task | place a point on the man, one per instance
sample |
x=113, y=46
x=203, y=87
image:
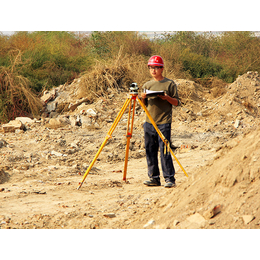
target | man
x=160, y=108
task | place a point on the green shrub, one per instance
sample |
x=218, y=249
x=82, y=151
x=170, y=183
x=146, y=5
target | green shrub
x=199, y=66
x=107, y=44
x=50, y=58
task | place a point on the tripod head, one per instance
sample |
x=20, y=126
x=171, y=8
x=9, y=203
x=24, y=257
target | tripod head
x=134, y=88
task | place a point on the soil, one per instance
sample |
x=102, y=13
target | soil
x=216, y=140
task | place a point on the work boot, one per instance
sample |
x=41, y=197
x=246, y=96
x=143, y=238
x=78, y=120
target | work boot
x=169, y=184
x=152, y=182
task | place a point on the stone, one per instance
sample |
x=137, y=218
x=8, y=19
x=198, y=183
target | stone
x=247, y=218
x=91, y=112
x=3, y=143
x=149, y=223
x=75, y=120
x=212, y=212
x=12, y=126
x=237, y=122
x=168, y=207
x=25, y=120
x=109, y=215
x=53, y=114
x=85, y=121
x=57, y=153
x=16, y=171
x=58, y=122
x=176, y=222
x=72, y=107
x=48, y=96
x=51, y=106
x=197, y=218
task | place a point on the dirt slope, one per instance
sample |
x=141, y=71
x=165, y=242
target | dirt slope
x=215, y=139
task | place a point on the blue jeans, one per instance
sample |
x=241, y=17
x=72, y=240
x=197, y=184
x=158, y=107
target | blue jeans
x=152, y=144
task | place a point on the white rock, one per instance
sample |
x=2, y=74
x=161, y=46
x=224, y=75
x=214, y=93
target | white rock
x=48, y=95
x=85, y=121
x=176, y=222
x=110, y=215
x=149, y=223
x=51, y=106
x=12, y=126
x=25, y=120
x=57, y=153
x=248, y=218
x=91, y=112
x=236, y=125
x=197, y=218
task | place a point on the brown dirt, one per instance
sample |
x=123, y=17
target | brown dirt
x=215, y=139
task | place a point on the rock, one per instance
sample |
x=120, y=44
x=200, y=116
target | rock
x=58, y=122
x=3, y=143
x=212, y=212
x=110, y=215
x=197, y=218
x=149, y=223
x=91, y=112
x=72, y=107
x=54, y=122
x=176, y=222
x=168, y=207
x=57, y=153
x=24, y=120
x=12, y=126
x=16, y=171
x=53, y=114
x=85, y=121
x=248, y=218
x=236, y=125
x=51, y=106
x=48, y=96
x=75, y=120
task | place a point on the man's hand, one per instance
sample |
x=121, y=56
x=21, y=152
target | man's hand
x=171, y=100
x=143, y=95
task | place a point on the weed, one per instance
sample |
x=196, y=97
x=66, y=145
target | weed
x=17, y=99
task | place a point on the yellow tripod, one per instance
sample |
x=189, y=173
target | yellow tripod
x=131, y=102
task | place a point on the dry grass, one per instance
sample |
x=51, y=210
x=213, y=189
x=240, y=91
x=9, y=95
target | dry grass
x=217, y=86
x=17, y=99
x=116, y=74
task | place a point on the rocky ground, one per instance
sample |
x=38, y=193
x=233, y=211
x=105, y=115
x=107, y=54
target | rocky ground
x=216, y=139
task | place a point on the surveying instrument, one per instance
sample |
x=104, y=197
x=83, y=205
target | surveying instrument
x=131, y=102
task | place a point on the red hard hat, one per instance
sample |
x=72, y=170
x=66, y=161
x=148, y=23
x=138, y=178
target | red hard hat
x=155, y=61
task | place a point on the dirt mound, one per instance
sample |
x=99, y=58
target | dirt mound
x=231, y=181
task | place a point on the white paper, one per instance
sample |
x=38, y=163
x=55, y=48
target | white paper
x=153, y=93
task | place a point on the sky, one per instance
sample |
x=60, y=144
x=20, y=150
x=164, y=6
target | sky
x=130, y=16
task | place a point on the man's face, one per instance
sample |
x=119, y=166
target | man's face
x=155, y=71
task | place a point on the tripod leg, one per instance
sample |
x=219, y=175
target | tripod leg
x=129, y=135
x=160, y=134
x=120, y=114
